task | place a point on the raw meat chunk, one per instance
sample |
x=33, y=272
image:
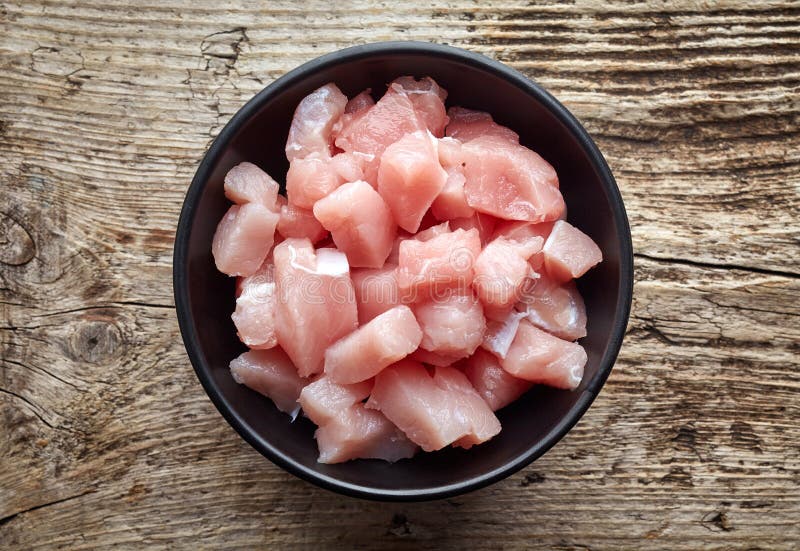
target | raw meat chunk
x=323, y=399
x=501, y=270
x=500, y=333
x=521, y=231
x=246, y=183
x=271, y=373
x=383, y=124
x=540, y=357
x=243, y=239
x=358, y=432
x=432, y=358
x=376, y=291
x=556, y=308
x=451, y=326
x=360, y=223
x=431, y=268
x=432, y=411
x=484, y=223
x=384, y=340
x=316, y=302
x=310, y=179
x=299, y=222
x=312, y=123
x=466, y=125
x=355, y=109
x=451, y=201
x=495, y=385
x=427, y=97
x=410, y=178
x=254, y=316
x=510, y=181
x=568, y=252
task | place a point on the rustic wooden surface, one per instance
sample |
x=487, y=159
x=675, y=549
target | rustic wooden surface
x=107, y=438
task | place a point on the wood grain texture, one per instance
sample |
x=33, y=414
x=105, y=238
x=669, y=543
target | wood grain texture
x=106, y=438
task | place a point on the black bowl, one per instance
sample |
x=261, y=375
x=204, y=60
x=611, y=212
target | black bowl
x=205, y=298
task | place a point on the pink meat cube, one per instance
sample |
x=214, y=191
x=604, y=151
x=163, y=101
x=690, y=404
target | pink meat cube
x=540, y=357
x=484, y=223
x=316, y=302
x=323, y=399
x=376, y=291
x=356, y=108
x=430, y=268
x=383, y=124
x=452, y=325
x=246, y=183
x=450, y=153
x=365, y=352
x=299, y=222
x=410, y=178
x=244, y=238
x=358, y=432
x=310, y=179
x=271, y=373
x=496, y=386
x=310, y=132
x=500, y=333
x=254, y=316
x=466, y=125
x=360, y=223
x=433, y=412
x=451, y=201
x=521, y=231
x=556, y=308
x=510, y=181
x=428, y=100
x=568, y=252
x=432, y=358
x=501, y=270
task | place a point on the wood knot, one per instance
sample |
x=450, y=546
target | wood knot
x=16, y=244
x=95, y=340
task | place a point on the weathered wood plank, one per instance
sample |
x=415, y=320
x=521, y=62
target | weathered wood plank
x=106, y=437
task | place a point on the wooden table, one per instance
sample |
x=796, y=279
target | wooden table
x=106, y=436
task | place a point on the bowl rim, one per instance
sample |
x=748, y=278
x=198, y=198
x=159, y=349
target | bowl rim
x=346, y=55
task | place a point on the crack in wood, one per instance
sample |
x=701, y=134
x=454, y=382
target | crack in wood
x=716, y=266
x=11, y=517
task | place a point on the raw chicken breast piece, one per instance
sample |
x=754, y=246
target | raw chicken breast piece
x=510, y=181
x=423, y=235
x=310, y=179
x=358, y=432
x=521, y=231
x=431, y=268
x=271, y=373
x=451, y=154
x=466, y=125
x=452, y=326
x=254, y=316
x=323, y=399
x=540, y=357
x=316, y=302
x=383, y=124
x=299, y=222
x=410, y=177
x=243, y=239
x=313, y=120
x=246, y=183
x=568, y=252
x=360, y=223
x=376, y=291
x=428, y=100
x=433, y=412
x=495, y=385
x=384, y=340
x=432, y=358
x=556, y=308
x=451, y=201
x=469, y=405
x=484, y=223
x=500, y=333
x=356, y=108
x=501, y=270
